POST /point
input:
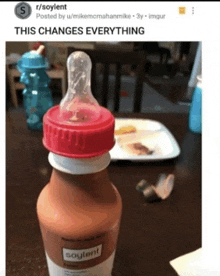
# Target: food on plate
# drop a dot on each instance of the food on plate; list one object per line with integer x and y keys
{"x": 135, "y": 137}
{"x": 129, "y": 139}
{"x": 125, "y": 130}
{"x": 136, "y": 149}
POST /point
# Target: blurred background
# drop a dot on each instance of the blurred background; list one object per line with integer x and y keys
{"x": 166, "y": 70}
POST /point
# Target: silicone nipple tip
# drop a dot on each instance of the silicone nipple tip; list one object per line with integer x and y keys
{"x": 79, "y": 61}
{"x": 79, "y": 105}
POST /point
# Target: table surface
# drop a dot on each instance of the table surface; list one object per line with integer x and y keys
{"x": 151, "y": 234}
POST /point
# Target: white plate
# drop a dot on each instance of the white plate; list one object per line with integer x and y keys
{"x": 162, "y": 141}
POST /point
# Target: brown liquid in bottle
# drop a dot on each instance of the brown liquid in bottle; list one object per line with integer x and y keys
{"x": 79, "y": 210}
{"x": 79, "y": 218}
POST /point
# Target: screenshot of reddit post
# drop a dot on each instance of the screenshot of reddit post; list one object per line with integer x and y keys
{"x": 110, "y": 138}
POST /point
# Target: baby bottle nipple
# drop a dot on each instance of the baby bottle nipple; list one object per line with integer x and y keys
{"x": 79, "y": 105}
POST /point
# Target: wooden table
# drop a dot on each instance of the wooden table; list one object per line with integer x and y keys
{"x": 151, "y": 234}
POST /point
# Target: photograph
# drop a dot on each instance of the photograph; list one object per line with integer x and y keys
{"x": 103, "y": 156}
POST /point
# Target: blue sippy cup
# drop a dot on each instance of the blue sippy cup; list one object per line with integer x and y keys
{"x": 37, "y": 98}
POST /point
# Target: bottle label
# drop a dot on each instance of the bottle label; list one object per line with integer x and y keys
{"x": 103, "y": 268}
{"x": 71, "y": 255}
{"x": 85, "y": 255}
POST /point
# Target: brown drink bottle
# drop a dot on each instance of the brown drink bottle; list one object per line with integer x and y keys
{"x": 79, "y": 210}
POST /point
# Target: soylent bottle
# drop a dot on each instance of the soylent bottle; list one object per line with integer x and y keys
{"x": 79, "y": 210}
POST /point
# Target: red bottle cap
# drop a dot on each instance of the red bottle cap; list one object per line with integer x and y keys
{"x": 78, "y": 140}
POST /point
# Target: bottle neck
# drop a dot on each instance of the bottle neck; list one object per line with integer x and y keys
{"x": 84, "y": 181}
{"x": 94, "y": 187}
{"x": 79, "y": 166}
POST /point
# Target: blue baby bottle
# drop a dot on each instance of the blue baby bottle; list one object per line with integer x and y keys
{"x": 195, "y": 114}
{"x": 37, "y": 98}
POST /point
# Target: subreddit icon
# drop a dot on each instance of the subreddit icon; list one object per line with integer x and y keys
{"x": 23, "y": 10}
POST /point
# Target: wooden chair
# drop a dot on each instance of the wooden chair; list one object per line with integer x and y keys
{"x": 14, "y": 84}
{"x": 120, "y": 58}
